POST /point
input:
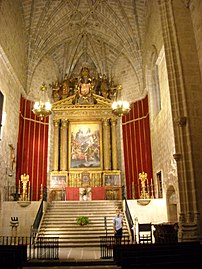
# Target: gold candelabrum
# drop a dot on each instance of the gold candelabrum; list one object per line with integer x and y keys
{"x": 145, "y": 189}
{"x": 25, "y": 196}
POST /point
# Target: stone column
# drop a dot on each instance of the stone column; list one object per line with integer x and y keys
{"x": 63, "y": 146}
{"x": 183, "y": 69}
{"x": 56, "y": 145}
{"x": 106, "y": 145}
{"x": 114, "y": 145}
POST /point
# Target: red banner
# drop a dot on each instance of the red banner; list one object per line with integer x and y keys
{"x": 32, "y": 149}
{"x": 137, "y": 146}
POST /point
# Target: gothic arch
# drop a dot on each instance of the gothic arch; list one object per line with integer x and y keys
{"x": 171, "y": 204}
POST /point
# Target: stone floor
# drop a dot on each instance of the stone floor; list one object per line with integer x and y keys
{"x": 78, "y": 256}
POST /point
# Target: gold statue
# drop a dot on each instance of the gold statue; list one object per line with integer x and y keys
{"x": 144, "y": 194}
{"x": 25, "y": 187}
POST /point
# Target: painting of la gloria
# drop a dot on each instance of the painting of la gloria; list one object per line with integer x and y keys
{"x": 85, "y": 145}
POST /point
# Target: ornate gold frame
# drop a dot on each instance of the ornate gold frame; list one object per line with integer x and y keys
{"x": 112, "y": 178}
{"x": 61, "y": 177}
{"x": 79, "y": 125}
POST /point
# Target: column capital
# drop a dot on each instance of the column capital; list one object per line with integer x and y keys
{"x": 105, "y": 122}
{"x": 64, "y": 122}
{"x": 113, "y": 122}
{"x": 56, "y": 122}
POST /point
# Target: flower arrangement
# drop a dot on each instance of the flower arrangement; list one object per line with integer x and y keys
{"x": 82, "y": 220}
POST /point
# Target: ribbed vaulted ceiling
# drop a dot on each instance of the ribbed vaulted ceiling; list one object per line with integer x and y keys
{"x": 106, "y": 35}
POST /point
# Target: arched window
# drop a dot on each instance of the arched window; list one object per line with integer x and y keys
{"x": 171, "y": 204}
{"x": 156, "y": 90}
{"x": 153, "y": 84}
{"x": 156, "y": 96}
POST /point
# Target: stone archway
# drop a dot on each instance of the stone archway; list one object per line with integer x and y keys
{"x": 171, "y": 204}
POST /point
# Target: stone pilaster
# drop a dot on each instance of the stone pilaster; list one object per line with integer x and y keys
{"x": 180, "y": 77}
{"x": 56, "y": 145}
{"x": 106, "y": 145}
{"x": 63, "y": 146}
{"x": 114, "y": 145}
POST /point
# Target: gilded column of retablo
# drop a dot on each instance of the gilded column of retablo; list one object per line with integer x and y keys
{"x": 114, "y": 146}
{"x": 56, "y": 145}
{"x": 63, "y": 146}
{"x": 106, "y": 144}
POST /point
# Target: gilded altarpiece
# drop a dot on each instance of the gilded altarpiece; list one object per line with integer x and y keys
{"x": 84, "y": 147}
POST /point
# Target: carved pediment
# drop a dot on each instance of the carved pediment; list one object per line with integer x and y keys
{"x": 68, "y": 103}
{"x": 67, "y": 109}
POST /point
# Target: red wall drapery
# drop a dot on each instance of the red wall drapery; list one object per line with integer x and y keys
{"x": 32, "y": 149}
{"x": 137, "y": 146}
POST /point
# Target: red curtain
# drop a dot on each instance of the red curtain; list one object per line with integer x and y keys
{"x": 32, "y": 149}
{"x": 137, "y": 146}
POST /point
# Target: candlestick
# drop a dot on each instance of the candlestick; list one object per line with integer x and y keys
{"x": 19, "y": 187}
{"x": 152, "y": 190}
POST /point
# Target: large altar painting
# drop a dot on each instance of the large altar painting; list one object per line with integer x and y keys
{"x": 85, "y": 145}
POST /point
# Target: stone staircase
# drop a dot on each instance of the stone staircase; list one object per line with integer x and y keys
{"x": 60, "y": 220}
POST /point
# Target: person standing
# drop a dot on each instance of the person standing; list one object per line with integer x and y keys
{"x": 118, "y": 226}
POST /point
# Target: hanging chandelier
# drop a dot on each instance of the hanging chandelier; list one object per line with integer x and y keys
{"x": 120, "y": 107}
{"x": 42, "y": 108}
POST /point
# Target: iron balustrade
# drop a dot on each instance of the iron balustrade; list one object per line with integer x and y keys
{"x": 107, "y": 243}
{"x": 105, "y": 222}
{"x": 129, "y": 219}
{"x": 35, "y": 226}
{"x": 46, "y": 248}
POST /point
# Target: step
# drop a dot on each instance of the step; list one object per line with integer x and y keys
{"x": 84, "y": 203}
{"x": 60, "y": 217}
{"x": 59, "y": 228}
{"x": 92, "y": 219}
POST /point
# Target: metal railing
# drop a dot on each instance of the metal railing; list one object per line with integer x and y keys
{"x": 107, "y": 243}
{"x": 46, "y": 248}
{"x": 105, "y": 224}
{"x": 39, "y": 215}
{"x": 129, "y": 219}
{"x": 35, "y": 226}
